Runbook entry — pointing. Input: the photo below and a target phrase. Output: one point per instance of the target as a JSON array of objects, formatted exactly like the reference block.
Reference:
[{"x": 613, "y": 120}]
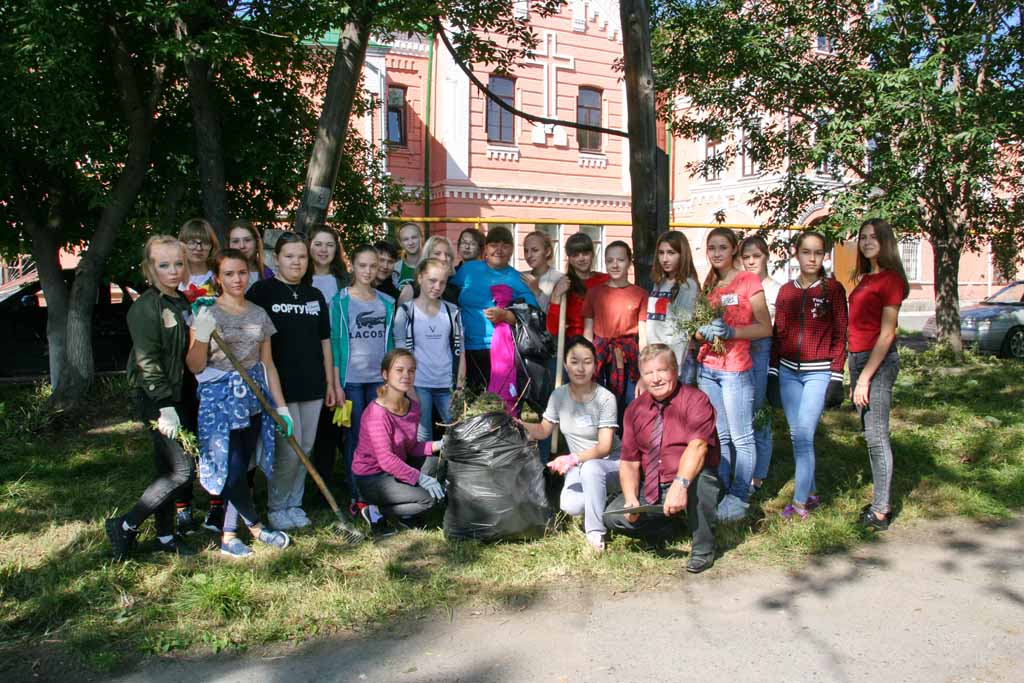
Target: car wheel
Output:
[{"x": 1013, "y": 345}]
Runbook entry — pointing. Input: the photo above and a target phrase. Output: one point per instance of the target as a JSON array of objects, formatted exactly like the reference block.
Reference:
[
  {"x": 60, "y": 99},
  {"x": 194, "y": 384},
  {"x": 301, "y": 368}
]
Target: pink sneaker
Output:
[{"x": 792, "y": 511}]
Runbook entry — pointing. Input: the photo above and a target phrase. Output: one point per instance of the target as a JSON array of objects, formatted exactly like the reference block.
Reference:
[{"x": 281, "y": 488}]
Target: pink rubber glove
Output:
[{"x": 564, "y": 463}]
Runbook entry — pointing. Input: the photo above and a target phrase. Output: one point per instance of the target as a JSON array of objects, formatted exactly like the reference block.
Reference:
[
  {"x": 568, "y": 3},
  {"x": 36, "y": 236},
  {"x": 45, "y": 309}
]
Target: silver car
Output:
[{"x": 996, "y": 325}]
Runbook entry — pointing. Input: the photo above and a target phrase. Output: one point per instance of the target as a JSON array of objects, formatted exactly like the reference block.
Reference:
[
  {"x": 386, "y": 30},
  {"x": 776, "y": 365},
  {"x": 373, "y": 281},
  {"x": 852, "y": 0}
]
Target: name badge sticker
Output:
[{"x": 730, "y": 299}]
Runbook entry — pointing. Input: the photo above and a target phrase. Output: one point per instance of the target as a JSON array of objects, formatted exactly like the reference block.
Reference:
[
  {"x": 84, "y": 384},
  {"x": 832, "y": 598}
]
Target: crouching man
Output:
[{"x": 669, "y": 457}]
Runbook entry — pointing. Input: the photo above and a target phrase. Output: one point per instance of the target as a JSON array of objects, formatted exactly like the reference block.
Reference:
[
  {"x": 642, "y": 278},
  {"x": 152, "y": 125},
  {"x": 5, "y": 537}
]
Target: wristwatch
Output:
[{"x": 684, "y": 481}]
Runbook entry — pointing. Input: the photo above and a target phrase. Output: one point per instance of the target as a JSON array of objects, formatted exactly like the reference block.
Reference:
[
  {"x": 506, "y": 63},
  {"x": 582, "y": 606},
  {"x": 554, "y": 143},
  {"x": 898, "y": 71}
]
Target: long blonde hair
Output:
[{"x": 888, "y": 253}]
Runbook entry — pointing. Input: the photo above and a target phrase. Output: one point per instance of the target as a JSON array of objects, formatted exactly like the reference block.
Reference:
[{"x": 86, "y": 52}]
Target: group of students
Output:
[{"x": 649, "y": 414}]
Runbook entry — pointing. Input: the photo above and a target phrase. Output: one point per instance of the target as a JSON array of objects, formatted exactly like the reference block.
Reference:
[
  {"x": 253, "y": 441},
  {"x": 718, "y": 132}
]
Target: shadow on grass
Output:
[{"x": 958, "y": 450}]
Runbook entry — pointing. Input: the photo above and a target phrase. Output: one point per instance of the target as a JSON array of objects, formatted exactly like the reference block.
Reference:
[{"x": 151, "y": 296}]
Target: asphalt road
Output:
[{"x": 936, "y": 602}]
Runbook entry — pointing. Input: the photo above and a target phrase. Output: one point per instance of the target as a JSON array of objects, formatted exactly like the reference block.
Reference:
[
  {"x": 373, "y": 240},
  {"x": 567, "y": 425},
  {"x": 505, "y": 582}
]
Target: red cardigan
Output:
[{"x": 809, "y": 332}]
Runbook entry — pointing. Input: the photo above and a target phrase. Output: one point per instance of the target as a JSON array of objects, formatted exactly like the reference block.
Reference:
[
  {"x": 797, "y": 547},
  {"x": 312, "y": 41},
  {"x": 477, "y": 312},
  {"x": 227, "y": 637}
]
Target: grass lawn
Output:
[{"x": 958, "y": 438}]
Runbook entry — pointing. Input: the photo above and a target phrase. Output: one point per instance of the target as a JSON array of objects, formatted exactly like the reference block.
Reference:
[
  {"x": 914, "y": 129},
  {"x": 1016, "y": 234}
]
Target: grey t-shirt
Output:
[
  {"x": 432, "y": 348},
  {"x": 366, "y": 342},
  {"x": 664, "y": 315},
  {"x": 243, "y": 333},
  {"x": 580, "y": 422}
]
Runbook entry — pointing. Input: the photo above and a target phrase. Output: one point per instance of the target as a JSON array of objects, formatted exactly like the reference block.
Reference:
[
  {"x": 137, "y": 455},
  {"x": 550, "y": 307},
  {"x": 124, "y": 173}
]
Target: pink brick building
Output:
[{"x": 470, "y": 159}]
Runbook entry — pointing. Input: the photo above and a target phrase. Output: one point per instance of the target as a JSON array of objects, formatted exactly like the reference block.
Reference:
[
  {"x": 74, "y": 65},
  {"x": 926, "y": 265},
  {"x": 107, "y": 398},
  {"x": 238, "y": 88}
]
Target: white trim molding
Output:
[
  {"x": 518, "y": 196},
  {"x": 502, "y": 153},
  {"x": 592, "y": 160}
]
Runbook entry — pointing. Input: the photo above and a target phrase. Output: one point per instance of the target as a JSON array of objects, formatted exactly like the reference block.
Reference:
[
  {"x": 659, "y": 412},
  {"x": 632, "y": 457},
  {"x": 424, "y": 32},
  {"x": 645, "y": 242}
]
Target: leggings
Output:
[
  {"x": 874, "y": 420},
  {"x": 174, "y": 472},
  {"x": 236, "y": 488}
]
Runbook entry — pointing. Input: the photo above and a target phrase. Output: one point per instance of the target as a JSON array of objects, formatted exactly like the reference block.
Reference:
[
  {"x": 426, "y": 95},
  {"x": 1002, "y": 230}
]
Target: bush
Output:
[{"x": 25, "y": 412}]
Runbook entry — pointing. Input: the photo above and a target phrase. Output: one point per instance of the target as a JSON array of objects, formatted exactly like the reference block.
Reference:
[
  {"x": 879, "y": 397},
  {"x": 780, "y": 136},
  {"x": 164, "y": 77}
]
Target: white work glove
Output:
[
  {"x": 431, "y": 486},
  {"x": 203, "y": 324},
  {"x": 168, "y": 423}
]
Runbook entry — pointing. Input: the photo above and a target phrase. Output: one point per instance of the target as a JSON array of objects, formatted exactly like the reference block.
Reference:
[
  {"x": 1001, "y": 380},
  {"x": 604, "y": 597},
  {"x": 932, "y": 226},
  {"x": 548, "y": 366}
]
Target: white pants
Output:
[
  {"x": 288, "y": 482},
  {"x": 586, "y": 490}
]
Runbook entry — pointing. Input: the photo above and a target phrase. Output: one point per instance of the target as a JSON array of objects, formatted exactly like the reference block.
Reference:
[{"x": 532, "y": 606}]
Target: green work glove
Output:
[{"x": 289, "y": 426}]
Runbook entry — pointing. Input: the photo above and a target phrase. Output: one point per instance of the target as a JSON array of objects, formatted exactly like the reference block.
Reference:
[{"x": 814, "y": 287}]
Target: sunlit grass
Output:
[{"x": 958, "y": 437}]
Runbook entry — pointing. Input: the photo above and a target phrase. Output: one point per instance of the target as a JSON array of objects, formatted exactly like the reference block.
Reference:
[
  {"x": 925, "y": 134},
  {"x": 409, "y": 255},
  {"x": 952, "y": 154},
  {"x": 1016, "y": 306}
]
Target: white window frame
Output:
[
  {"x": 554, "y": 231},
  {"x": 914, "y": 243},
  {"x": 598, "y": 244},
  {"x": 706, "y": 176}
]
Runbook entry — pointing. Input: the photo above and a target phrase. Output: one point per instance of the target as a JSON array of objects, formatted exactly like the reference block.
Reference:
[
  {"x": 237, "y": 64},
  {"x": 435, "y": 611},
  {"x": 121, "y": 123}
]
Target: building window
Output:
[
  {"x": 396, "y": 116},
  {"x": 910, "y": 254},
  {"x": 823, "y": 43},
  {"x": 748, "y": 163},
  {"x": 596, "y": 235},
  {"x": 713, "y": 159},
  {"x": 555, "y": 233},
  {"x": 588, "y": 112},
  {"x": 500, "y": 122}
]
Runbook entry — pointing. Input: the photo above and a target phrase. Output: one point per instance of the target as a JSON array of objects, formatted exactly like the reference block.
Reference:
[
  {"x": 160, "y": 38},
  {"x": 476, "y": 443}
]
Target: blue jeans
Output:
[
  {"x": 803, "y": 400},
  {"x": 431, "y": 400},
  {"x": 760, "y": 353},
  {"x": 360, "y": 393},
  {"x": 688, "y": 372},
  {"x": 732, "y": 395},
  {"x": 544, "y": 445}
]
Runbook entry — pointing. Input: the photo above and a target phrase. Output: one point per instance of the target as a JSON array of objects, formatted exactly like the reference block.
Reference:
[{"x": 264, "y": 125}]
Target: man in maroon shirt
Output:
[{"x": 669, "y": 442}]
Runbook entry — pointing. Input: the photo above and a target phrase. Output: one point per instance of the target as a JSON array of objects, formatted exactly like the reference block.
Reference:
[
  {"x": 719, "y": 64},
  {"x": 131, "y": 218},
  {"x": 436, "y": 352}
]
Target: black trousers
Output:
[
  {"x": 478, "y": 370},
  {"x": 701, "y": 505},
  {"x": 175, "y": 470},
  {"x": 329, "y": 440},
  {"x": 188, "y": 411},
  {"x": 393, "y": 497}
]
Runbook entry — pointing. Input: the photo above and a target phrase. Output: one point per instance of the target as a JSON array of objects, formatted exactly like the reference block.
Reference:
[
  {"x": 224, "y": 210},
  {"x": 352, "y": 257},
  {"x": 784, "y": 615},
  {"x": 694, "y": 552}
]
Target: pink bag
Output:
[{"x": 503, "y": 354}]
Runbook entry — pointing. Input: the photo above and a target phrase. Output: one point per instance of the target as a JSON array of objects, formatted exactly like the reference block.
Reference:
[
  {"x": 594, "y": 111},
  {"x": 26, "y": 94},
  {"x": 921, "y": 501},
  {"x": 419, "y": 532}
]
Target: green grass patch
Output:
[{"x": 958, "y": 435}]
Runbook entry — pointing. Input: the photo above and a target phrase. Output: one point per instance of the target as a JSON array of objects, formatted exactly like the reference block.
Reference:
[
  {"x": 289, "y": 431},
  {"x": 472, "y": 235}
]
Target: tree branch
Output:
[{"x": 439, "y": 29}]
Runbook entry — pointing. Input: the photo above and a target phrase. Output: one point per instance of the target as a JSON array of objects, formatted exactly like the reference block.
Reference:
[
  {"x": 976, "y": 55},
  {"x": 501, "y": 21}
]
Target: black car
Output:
[{"x": 23, "y": 349}]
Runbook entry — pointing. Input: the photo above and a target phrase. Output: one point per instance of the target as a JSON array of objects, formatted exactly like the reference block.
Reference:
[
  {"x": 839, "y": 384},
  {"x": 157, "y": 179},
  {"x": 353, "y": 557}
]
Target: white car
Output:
[{"x": 996, "y": 325}]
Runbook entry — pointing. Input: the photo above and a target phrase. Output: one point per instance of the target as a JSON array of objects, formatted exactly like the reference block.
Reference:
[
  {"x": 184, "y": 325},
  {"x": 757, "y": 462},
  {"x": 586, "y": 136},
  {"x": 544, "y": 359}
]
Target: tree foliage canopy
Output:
[{"x": 910, "y": 109}]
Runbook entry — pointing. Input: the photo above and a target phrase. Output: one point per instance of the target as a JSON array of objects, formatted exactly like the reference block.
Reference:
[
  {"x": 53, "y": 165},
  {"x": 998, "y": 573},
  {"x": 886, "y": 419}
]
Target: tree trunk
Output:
[
  {"x": 332, "y": 129},
  {"x": 77, "y": 374},
  {"x": 643, "y": 134},
  {"x": 45, "y": 248},
  {"x": 209, "y": 144},
  {"x": 947, "y": 295}
]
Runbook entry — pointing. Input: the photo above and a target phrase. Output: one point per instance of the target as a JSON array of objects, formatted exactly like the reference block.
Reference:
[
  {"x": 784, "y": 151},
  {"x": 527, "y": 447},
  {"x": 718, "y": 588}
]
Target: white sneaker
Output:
[
  {"x": 596, "y": 541},
  {"x": 280, "y": 519},
  {"x": 732, "y": 509},
  {"x": 299, "y": 518}
]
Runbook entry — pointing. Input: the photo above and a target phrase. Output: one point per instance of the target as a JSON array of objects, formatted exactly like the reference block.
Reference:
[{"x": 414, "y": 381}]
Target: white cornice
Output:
[{"x": 529, "y": 197}]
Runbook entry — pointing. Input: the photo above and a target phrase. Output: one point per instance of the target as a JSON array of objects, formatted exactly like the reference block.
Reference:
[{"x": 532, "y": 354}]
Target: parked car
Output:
[
  {"x": 996, "y": 325},
  {"x": 23, "y": 347}
]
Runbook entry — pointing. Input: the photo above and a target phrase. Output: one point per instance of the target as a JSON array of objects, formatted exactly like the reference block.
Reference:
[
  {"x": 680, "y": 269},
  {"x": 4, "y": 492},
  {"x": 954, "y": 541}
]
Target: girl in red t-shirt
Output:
[
  {"x": 874, "y": 311},
  {"x": 613, "y": 319},
  {"x": 726, "y": 377},
  {"x": 580, "y": 278}
]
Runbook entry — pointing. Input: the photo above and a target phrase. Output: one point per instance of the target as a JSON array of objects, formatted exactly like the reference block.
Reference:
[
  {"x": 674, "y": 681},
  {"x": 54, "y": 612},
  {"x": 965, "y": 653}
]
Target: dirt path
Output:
[{"x": 941, "y": 601}]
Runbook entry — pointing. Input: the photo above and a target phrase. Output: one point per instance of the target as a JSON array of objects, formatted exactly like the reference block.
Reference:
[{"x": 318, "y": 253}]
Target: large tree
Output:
[
  {"x": 100, "y": 146},
  {"x": 909, "y": 110}
]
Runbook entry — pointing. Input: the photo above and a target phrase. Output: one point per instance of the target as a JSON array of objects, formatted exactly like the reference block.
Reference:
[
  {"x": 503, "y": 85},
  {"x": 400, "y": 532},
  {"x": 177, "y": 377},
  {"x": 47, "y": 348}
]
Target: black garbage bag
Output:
[{"x": 495, "y": 481}]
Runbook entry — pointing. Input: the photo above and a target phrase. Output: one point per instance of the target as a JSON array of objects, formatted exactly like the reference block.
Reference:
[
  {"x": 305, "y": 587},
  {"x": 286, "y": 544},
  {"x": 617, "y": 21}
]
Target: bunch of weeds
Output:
[{"x": 703, "y": 314}]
